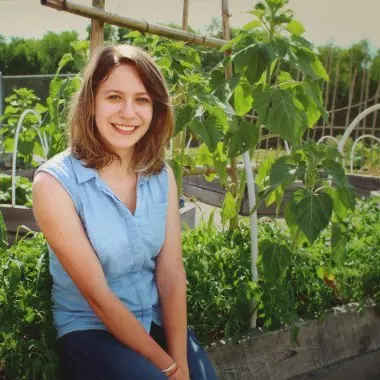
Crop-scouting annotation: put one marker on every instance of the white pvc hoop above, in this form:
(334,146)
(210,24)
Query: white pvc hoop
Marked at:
(44,144)
(323,138)
(350,128)
(354,146)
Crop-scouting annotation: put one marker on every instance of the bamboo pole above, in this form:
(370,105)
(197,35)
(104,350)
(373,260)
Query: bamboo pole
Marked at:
(179,143)
(361,100)
(228,75)
(127,22)
(97,27)
(336,83)
(185,15)
(351,96)
(329,69)
(366,96)
(249,179)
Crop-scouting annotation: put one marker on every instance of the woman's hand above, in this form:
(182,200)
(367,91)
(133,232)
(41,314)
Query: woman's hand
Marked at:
(180,374)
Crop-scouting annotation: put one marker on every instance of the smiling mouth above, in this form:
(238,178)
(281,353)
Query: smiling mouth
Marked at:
(124,128)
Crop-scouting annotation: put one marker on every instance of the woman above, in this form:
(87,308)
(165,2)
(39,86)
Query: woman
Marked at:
(108,208)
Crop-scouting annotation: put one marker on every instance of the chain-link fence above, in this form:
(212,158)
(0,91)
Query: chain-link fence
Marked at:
(38,83)
(271,145)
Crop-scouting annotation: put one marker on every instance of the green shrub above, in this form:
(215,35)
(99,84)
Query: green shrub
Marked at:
(219,281)
(23,190)
(27,334)
(220,291)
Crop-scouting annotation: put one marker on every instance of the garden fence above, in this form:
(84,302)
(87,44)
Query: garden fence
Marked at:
(340,115)
(38,83)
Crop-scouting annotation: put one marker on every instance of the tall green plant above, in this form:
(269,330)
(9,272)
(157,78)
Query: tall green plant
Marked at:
(53,113)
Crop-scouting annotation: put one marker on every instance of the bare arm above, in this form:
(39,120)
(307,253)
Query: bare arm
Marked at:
(56,215)
(171,281)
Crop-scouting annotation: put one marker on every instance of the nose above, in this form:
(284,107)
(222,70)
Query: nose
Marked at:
(127,109)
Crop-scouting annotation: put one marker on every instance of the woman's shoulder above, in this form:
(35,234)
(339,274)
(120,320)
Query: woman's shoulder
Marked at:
(62,160)
(60,166)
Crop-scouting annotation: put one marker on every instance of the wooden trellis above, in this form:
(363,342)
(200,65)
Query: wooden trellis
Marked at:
(100,15)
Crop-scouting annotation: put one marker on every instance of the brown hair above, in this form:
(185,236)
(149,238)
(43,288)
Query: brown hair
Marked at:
(84,140)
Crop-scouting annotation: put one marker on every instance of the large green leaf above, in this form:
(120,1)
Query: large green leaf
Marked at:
(309,62)
(220,161)
(314,93)
(221,87)
(346,195)
(64,61)
(229,208)
(263,171)
(252,24)
(253,60)
(203,156)
(336,171)
(242,99)
(298,236)
(312,212)
(262,57)
(280,113)
(243,58)
(276,259)
(244,136)
(296,28)
(283,172)
(232,42)
(280,46)
(210,131)
(183,115)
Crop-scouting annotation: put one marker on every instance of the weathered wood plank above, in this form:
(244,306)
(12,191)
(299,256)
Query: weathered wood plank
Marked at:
(343,335)
(14,217)
(363,367)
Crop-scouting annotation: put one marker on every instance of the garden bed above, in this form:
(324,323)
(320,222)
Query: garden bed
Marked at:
(324,350)
(213,193)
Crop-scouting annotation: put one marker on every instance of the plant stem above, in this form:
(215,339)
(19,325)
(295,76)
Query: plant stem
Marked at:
(182,155)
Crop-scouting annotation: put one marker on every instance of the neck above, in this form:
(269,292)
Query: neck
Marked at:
(120,169)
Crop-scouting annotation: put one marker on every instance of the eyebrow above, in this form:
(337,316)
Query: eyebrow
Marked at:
(121,92)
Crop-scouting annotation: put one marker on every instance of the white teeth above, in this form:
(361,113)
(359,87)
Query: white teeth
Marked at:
(124,128)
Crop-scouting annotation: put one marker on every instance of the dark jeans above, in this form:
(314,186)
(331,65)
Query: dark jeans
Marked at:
(98,355)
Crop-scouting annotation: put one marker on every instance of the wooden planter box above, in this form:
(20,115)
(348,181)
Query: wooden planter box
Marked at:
(21,173)
(345,346)
(187,215)
(213,193)
(20,215)
(14,217)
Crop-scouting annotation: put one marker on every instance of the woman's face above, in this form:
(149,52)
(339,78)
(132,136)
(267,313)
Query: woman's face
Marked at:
(123,109)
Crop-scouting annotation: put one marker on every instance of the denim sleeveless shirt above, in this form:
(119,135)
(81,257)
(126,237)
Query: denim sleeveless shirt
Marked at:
(126,244)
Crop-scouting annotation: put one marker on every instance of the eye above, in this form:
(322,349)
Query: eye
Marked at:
(143,100)
(114,97)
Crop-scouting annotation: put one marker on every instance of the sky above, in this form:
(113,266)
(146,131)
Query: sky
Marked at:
(341,21)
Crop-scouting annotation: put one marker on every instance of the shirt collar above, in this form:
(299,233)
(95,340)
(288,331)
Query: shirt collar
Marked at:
(82,173)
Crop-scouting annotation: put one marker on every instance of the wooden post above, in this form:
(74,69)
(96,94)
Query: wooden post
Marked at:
(185,15)
(228,74)
(351,95)
(127,22)
(329,69)
(366,99)
(97,27)
(361,100)
(336,84)
(179,141)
